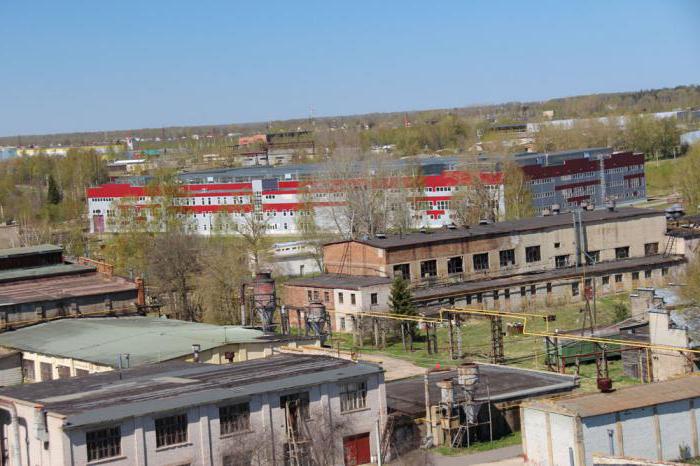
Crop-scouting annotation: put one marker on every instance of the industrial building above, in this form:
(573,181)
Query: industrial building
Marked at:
(218,199)
(74,347)
(38,284)
(473,402)
(507,265)
(282,410)
(596,176)
(658,421)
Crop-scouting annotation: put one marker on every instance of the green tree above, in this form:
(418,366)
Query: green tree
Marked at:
(54,194)
(517,195)
(686,177)
(401,302)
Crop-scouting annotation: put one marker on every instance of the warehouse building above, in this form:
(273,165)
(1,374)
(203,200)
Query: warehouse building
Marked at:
(76,347)
(286,409)
(658,421)
(37,284)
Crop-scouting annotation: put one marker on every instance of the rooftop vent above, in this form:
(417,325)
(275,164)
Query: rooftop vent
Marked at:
(381,235)
(555,209)
(484,222)
(451,226)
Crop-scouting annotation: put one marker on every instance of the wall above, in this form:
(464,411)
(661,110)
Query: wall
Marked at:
(667,364)
(205,444)
(10,368)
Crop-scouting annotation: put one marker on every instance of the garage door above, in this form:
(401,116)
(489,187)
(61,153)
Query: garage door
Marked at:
(356,449)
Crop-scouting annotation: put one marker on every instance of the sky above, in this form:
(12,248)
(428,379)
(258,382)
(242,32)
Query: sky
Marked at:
(105,65)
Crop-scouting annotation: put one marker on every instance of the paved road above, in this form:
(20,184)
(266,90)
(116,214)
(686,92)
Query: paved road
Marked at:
(507,456)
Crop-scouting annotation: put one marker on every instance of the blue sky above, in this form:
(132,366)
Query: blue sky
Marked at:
(99,65)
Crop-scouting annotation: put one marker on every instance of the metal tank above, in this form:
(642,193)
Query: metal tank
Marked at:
(468,379)
(264,299)
(316,319)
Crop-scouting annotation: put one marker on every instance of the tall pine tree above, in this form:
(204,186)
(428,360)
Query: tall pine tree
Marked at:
(54,194)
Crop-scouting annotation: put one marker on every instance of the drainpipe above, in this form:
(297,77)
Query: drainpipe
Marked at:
(14,421)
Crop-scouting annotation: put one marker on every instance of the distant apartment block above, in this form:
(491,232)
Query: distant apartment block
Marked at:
(595,177)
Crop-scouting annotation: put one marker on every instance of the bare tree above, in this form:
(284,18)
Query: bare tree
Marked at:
(253,230)
(472,203)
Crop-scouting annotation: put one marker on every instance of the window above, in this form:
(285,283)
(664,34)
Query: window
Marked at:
(374,299)
(63,372)
(353,396)
(533,290)
(479,298)
(171,430)
(532,254)
(28,370)
(635,275)
(622,253)
(317,295)
(469,299)
(506,293)
(340,298)
(297,404)
(592,257)
(556,245)
(342,323)
(454,265)
(403,271)
(574,289)
(606,280)
(506,257)
(561,261)
(234,418)
(647,274)
(46,371)
(523,291)
(309,294)
(103,443)
(651,249)
(549,287)
(481,261)
(326,296)
(352,299)
(618,278)
(664,271)
(495,295)
(428,268)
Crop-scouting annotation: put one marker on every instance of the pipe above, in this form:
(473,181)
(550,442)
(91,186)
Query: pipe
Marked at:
(379,444)
(14,421)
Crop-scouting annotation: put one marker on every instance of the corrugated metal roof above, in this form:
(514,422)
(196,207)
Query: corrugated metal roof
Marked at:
(106,397)
(624,399)
(44,271)
(348,282)
(146,339)
(29,250)
(505,228)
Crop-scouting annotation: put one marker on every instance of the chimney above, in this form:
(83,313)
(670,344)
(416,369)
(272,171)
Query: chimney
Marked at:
(140,292)
(195,352)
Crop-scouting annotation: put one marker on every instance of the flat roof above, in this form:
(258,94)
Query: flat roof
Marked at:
(147,339)
(502,383)
(29,250)
(347,282)
(638,396)
(52,270)
(601,268)
(395,241)
(150,389)
(61,288)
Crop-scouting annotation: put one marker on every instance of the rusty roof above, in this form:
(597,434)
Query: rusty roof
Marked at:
(347,282)
(393,241)
(639,396)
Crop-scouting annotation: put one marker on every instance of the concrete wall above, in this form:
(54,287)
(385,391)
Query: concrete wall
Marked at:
(667,364)
(205,444)
(667,431)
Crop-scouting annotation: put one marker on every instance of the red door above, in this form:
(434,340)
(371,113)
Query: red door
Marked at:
(356,449)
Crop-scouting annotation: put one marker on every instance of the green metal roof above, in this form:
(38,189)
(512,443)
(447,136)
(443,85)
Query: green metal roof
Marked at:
(27,250)
(146,339)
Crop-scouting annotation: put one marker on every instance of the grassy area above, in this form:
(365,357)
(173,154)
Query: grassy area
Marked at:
(512,439)
(659,177)
(520,350)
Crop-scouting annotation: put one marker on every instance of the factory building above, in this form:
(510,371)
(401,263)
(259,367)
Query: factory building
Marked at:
(658,421)
(596,176)
(285,409)
(74,347)
(37,284)
(512,265)
(470,403)
(216,200)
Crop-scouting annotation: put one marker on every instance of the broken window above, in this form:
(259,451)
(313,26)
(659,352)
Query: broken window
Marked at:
(532,254)
(171,430)
(622,253)
(455,265)
(403,271)
(561,261)
(428,268)
(481,261)
(507,257)
(651,249)
(234,418)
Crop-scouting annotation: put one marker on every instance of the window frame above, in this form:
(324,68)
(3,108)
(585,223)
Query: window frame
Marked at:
(623,252)
(105,444)
(428,268)
(353,396)
(234,418)
(533,254)
(479,263)
(506,258)
(173,430)
(455,265)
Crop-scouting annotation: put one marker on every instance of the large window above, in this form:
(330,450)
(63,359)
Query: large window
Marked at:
(455,265)
(622,253)
(403,271)
(651,249)
(532,254)
(171,430)
(103,443)
(428,268)
(481,261)
(353,396)
(374,299)
(506,257)
(234,418)
(561,261)
(46,371)
(28,371)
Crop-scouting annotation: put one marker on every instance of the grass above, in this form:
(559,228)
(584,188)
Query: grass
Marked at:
(509,440)
(659,177)
(520,350)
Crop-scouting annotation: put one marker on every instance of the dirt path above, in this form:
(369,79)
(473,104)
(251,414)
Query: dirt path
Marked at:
(395,368)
